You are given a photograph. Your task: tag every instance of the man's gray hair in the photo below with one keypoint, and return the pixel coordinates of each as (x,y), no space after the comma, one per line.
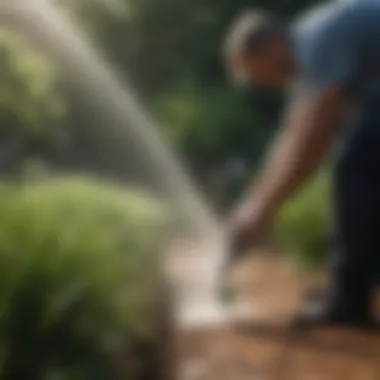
(249,31)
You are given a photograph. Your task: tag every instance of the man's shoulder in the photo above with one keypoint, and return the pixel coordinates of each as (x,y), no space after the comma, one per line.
(319,28)
(333,14)
(313,16)
(321,18)
(330,40)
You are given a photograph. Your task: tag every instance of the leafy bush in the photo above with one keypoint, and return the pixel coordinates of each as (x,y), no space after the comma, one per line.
(302,225)
(211,123)
(79,285)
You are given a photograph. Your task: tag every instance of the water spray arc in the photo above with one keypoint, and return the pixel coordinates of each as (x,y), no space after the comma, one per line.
(45,25)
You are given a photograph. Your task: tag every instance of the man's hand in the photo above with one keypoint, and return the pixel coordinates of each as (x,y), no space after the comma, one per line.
(250,224)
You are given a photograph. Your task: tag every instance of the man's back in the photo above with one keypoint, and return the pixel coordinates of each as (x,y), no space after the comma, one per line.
(339,43)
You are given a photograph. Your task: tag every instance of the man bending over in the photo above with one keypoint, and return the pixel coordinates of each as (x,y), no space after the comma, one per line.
(331,58)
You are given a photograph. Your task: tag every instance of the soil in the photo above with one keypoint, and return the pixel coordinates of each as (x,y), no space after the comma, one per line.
(266,347)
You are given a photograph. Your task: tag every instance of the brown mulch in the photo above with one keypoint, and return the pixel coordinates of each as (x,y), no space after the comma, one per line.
(267,348)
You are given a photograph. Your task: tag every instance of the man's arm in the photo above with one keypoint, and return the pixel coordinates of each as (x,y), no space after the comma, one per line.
(311,126)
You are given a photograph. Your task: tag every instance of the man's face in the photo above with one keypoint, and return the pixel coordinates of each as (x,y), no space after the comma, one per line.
(270,67)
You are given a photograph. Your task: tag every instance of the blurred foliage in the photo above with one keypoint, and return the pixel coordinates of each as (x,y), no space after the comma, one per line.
(171,51)
(184,38)
(79,284)
(302,225)
(30,105)
(210,124)
(160,47)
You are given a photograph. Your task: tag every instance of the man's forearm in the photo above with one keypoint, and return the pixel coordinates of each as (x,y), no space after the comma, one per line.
(300,149)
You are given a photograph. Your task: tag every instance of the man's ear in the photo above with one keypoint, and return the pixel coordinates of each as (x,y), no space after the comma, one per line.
(238,74)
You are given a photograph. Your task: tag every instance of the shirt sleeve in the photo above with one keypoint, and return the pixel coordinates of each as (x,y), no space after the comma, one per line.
(332,56)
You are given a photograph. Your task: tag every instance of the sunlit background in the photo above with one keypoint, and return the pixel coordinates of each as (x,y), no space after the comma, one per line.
(122,149)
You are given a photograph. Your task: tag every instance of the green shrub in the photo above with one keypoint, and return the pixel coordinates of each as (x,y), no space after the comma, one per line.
(208,124)
(302,224)
(79,285)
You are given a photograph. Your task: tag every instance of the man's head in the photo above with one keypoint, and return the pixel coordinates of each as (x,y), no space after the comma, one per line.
(258,48)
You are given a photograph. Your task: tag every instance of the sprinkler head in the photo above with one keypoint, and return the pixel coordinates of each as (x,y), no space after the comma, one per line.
(227,295)
(237,250)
